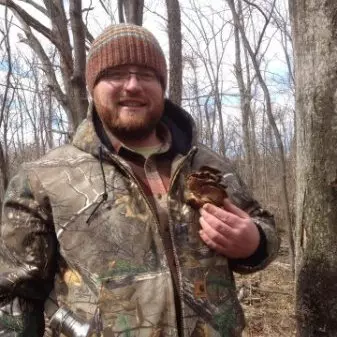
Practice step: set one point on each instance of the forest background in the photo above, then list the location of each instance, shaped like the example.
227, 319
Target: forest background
231, 65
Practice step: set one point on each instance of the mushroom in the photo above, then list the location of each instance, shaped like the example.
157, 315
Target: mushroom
205, 186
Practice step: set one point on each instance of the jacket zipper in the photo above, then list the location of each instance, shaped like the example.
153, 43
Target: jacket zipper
175, 254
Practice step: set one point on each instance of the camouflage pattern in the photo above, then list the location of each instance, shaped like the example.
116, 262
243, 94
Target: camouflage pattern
113, 271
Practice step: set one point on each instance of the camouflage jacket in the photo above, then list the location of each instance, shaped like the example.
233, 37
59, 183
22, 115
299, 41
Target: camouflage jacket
113, 271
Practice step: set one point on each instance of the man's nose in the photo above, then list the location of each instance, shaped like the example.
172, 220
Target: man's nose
132, 83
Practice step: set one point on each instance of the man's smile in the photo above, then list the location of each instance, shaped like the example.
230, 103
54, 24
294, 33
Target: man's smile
132, 103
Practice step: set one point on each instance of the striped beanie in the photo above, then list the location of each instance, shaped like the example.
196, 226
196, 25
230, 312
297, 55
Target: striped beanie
124, 44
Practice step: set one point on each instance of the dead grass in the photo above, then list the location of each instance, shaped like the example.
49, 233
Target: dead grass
268, 300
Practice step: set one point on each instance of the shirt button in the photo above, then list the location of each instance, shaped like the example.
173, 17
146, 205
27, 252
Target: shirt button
159, 196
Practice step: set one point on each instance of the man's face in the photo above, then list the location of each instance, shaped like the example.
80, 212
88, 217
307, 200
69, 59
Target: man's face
130, 101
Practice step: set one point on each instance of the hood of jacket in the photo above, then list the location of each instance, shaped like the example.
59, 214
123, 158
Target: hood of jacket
90, 134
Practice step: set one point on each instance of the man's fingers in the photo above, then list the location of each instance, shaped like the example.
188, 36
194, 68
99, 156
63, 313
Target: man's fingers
216, 229
213, 213
232, 233
213, 236
211, 244
228, 206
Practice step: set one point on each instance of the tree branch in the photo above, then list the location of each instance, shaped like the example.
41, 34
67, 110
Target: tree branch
57, 15
257, 7
33, 42
36, 6
264, 28
88, 35
29, 20
267, 20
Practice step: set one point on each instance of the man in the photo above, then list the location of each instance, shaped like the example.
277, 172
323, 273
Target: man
109, 233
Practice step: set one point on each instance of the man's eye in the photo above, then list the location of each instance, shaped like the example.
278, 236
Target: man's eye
117, 75
146, 76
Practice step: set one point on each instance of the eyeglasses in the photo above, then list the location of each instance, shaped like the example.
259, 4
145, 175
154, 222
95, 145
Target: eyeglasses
121, 76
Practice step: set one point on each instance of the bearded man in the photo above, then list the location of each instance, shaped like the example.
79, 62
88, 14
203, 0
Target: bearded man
134, 229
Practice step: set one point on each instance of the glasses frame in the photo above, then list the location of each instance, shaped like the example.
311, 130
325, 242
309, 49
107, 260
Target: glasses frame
119, 76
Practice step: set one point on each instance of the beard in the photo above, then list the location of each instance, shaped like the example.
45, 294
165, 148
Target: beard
129, 124
135, 128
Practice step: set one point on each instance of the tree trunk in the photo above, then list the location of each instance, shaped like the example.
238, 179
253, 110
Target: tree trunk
315, 41
174, 32
4, 113
78, 76
245, 99
133, 11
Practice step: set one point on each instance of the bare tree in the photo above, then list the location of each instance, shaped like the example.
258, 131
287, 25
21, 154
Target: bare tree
255, 61
208, 42
282, 21
314, 30
5, 101
199, 105
133, 10
175, 44
245, 102
71, 93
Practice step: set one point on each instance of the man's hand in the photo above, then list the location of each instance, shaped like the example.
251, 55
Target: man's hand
228, 230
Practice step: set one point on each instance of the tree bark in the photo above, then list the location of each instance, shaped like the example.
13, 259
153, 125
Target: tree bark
134, 11
78, 76
175, 44
245, 100
315, 40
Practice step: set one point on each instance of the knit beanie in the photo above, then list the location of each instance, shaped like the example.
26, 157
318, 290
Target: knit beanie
124, 44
